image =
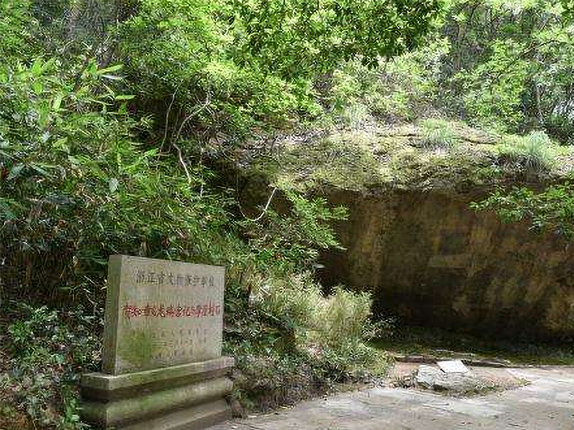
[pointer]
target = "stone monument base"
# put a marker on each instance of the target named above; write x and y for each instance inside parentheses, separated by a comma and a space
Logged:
(185, 397)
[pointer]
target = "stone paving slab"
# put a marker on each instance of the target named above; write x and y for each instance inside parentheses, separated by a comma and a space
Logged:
(546, 404)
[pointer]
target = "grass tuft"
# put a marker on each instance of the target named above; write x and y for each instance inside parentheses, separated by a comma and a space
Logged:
(308, 344)
(438, 133)
(535, 152)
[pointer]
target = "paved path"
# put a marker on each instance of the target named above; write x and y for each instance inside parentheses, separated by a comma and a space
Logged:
(546, 404)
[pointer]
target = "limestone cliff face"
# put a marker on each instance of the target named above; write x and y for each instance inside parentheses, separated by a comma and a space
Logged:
(430, 259)
(412, 238)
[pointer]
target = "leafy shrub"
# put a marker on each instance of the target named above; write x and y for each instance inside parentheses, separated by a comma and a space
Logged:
(296, 38)
(438, 133)
(181, 53)
(549, 211)
(323, 321)
(296, 298)
(15, 20)
(492, 90)
(353, 362)
(48, 351)
(534, 152)
(293, 239)
(75, 189)
(345, 315)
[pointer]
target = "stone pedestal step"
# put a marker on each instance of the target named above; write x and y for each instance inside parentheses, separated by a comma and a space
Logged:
(179, 397)
(195, 418)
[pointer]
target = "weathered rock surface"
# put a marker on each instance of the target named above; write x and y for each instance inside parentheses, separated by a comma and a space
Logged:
(412, 238)
(431, 260)
(431, 378)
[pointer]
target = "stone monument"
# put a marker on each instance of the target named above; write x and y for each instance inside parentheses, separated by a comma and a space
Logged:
(162, 365)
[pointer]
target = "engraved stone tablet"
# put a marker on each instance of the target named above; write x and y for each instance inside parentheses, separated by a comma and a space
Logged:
(160, 314)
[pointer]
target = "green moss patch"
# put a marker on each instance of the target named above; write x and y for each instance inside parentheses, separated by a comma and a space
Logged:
(435, 154)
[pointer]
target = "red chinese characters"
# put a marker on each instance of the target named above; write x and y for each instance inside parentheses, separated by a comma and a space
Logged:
(179, 311)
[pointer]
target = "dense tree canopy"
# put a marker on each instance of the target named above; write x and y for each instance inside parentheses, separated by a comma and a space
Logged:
(120, 124)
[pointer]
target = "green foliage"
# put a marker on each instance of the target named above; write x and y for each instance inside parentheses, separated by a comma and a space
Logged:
(295, 299)
(227, 66)
(345, 315)
(287, 37)
(494, 88)
(48, 351)
(401, 88)
(181, 53)
(437, 133)
(41, 335)
(15, 22)
(75, 189)
(309, 342)
(534, 152)
(519, 76)
(518, 73)
(506, 65)
(294, 240)
(549, 211)
(319, 320)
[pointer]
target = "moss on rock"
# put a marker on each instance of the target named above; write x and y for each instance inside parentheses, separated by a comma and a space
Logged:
(400, 158)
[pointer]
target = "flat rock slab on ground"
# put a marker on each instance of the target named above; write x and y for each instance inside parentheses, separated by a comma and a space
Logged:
(547, 403)
(459, 384)
(435, 379)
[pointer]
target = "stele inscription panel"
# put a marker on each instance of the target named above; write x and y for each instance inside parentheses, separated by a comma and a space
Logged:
(161, 313)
